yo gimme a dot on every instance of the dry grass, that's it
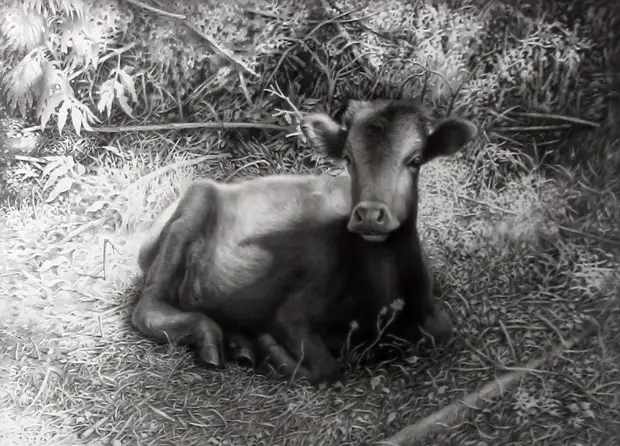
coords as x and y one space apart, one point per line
74 371
522 257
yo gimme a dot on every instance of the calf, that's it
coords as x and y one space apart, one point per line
292 259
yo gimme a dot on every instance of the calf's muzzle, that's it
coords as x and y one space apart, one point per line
372 220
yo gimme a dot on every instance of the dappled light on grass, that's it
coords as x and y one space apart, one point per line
512 285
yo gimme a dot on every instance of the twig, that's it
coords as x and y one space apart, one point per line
101 335
555 329
214 45
48 372
609 240
245 166
558 118
264 14
189 125
31 159
88 432
532 128
159 412
222 51
489 205
36 349
143 5
509 340
416 433
84 227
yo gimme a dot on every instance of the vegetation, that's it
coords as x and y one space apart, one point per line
522 229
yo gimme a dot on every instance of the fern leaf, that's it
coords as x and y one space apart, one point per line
24 80
62 114
53 7
128 83
62 186
21 32
55 89
76 119
48 107
83 38
89 117
119 89
106 97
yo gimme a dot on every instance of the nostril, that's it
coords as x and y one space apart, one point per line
381 216
357 215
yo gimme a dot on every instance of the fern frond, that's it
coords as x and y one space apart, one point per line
23 82
21 31
72 8
55 89
84 39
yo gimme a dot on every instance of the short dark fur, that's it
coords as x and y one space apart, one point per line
290 260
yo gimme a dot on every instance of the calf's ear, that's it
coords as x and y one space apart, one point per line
324 134
449 137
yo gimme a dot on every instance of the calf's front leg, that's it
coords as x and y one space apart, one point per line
154 315
421 317
163 322
293 327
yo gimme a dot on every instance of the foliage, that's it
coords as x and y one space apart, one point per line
51 45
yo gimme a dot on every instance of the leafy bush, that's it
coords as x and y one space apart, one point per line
49 44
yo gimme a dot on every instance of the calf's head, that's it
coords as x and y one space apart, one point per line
384 143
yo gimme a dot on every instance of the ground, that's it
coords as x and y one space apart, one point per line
524 258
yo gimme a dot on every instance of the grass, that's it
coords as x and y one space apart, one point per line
74 370
523 252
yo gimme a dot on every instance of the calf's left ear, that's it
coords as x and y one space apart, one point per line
449 137
324 134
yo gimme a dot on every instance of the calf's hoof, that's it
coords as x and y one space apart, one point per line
210 355
242 351
438 327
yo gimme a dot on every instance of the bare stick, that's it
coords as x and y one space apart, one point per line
532 128
190 125
31 159
414 434
161 12
222 51
558 118
214 45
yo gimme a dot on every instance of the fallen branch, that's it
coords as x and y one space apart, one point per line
190 125
532 128
557 117
31 159
414 434
161 12
212 43
221 51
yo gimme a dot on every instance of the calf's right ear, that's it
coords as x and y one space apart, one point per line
324 134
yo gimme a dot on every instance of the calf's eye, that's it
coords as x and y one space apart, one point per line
346 158
415 161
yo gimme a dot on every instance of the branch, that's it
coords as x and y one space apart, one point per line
415 433
557 117
214 45
161 12
190 125
221 51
